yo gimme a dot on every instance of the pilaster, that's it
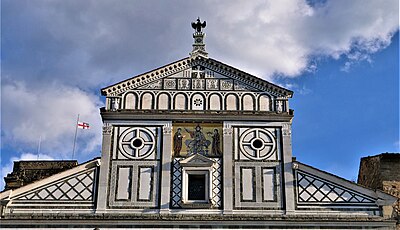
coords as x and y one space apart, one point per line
166 167
104 168
287 168
227 169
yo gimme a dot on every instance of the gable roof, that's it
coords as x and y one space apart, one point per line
174 67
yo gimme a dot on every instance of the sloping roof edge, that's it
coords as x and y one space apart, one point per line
187 62
381 197
81 167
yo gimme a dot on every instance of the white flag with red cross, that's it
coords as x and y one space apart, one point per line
83 125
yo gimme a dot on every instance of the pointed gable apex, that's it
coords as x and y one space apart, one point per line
243 78
197 160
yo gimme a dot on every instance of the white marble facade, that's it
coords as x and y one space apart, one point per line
194 143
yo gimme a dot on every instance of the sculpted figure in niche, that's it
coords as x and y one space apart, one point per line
198 144
178 142
215 149
279 106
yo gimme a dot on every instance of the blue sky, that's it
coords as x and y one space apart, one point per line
342 66
341 116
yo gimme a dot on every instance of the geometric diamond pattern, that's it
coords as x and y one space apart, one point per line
314 189
78 188
176 189
216 198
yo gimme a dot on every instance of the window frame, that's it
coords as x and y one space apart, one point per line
206 171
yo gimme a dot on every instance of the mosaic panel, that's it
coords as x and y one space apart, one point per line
204 139
226 84
198 84
153 85
169 84
212 84
184 84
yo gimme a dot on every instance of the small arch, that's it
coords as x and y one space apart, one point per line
231 102
215 102
264 102
198 102
180 101
163 101
248 102
147 101
130 101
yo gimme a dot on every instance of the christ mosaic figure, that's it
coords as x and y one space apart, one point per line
198 144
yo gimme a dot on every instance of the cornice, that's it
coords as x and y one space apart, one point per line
176 115
175 67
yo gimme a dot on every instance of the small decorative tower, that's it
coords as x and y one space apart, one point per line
199 48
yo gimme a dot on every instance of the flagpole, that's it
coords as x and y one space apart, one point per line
76 132
38 149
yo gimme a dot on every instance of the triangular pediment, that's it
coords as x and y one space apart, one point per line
197 74
197 160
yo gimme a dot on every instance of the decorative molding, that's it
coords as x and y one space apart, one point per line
257 143
227 130
137 143
167 129
286 129
258 200
134 201
107 129
187 63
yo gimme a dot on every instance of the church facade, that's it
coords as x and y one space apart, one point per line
196 143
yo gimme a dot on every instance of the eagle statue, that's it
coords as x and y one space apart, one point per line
198 25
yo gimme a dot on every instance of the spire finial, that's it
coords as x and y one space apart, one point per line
198 25
198 35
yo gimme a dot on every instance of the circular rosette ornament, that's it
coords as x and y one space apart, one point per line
257 144
137 143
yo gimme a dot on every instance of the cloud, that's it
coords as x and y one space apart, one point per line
49 113
56 55
101 42
282 37
8 167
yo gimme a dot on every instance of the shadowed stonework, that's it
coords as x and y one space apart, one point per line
26 172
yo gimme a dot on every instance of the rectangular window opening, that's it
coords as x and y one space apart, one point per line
197 187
